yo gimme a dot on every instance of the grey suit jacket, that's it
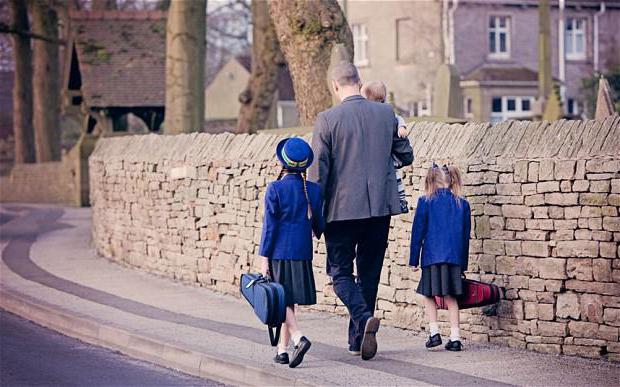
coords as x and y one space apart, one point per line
353 145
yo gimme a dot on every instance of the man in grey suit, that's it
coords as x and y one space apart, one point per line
353 145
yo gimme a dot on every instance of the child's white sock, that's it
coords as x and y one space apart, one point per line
281 349
434 328
455 334
296 337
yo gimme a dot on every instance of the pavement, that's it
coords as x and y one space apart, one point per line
50 274
31 355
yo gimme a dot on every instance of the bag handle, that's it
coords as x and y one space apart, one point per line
274 337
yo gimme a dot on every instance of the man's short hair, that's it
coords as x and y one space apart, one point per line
374 91
345 74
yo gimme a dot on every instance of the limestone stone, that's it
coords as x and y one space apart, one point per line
532 171
521 171
611 223
515 224
579 268
545 312
548 186
545 170
567 306
552 268
611 316
600 186
615 185
608 249
535 249
516 211
614 200
581 185
592 199
576 249
565 169
561 199
601 269
535 200
554 329
591 307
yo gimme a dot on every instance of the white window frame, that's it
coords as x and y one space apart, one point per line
360 44
571 49
518 113
497 31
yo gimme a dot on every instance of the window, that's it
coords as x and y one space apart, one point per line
572 107
499 36
360 44
404 40
468 108
575 38
508 107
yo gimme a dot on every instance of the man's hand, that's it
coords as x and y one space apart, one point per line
416 268
403 132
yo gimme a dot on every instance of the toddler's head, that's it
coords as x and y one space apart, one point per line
374 91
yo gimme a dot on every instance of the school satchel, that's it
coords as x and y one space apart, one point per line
475 294
267 299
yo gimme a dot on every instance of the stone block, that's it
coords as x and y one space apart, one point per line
508 189
552 268
535 200
532 172
565 186
496 222
561 199
516 211
582 329
528 189
540 212
583 351
567 306
565 169
545 170
555 212
548 186
591 307
530 310
579 268
611 223
592 199
515 224
505 265
615 185
582 234
545 312
532 235
591 212
576 249
611 316
521 171
493 247
600 186
603 166
614 200
601 269
513 248
554 329
608 249
552 349
539 224
607 333
535 249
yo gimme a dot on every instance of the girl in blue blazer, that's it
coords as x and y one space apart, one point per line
440 234
293 211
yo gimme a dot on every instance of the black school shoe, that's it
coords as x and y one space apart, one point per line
281 358
433 341
300 351
454 345
369 341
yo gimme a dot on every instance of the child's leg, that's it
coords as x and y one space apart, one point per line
285 337
292 326
453 309
431 312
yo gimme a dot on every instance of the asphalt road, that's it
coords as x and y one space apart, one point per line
33 355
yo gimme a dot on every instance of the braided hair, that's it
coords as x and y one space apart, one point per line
285 171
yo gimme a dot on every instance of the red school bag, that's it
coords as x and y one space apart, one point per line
475 294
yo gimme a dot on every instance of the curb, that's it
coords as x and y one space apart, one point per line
138 346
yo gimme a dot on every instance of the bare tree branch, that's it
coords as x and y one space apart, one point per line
6 29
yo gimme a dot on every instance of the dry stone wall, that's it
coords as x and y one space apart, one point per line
545 200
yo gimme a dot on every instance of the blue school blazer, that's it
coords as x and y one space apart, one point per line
441 230
287 231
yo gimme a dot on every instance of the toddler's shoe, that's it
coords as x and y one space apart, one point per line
281 358
404 207
454 346
434 341
354 351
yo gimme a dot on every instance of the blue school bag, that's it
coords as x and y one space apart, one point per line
267 299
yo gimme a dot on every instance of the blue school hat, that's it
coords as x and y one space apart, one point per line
294 154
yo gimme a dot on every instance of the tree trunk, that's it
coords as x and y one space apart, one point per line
22 89
45 83
307 30
258 97
104 5
185 66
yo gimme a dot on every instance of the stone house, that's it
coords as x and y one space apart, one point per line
115 69
493 44
222 97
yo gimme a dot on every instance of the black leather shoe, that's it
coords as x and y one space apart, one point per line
369 341
300 351
433 340
281 358
454 345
